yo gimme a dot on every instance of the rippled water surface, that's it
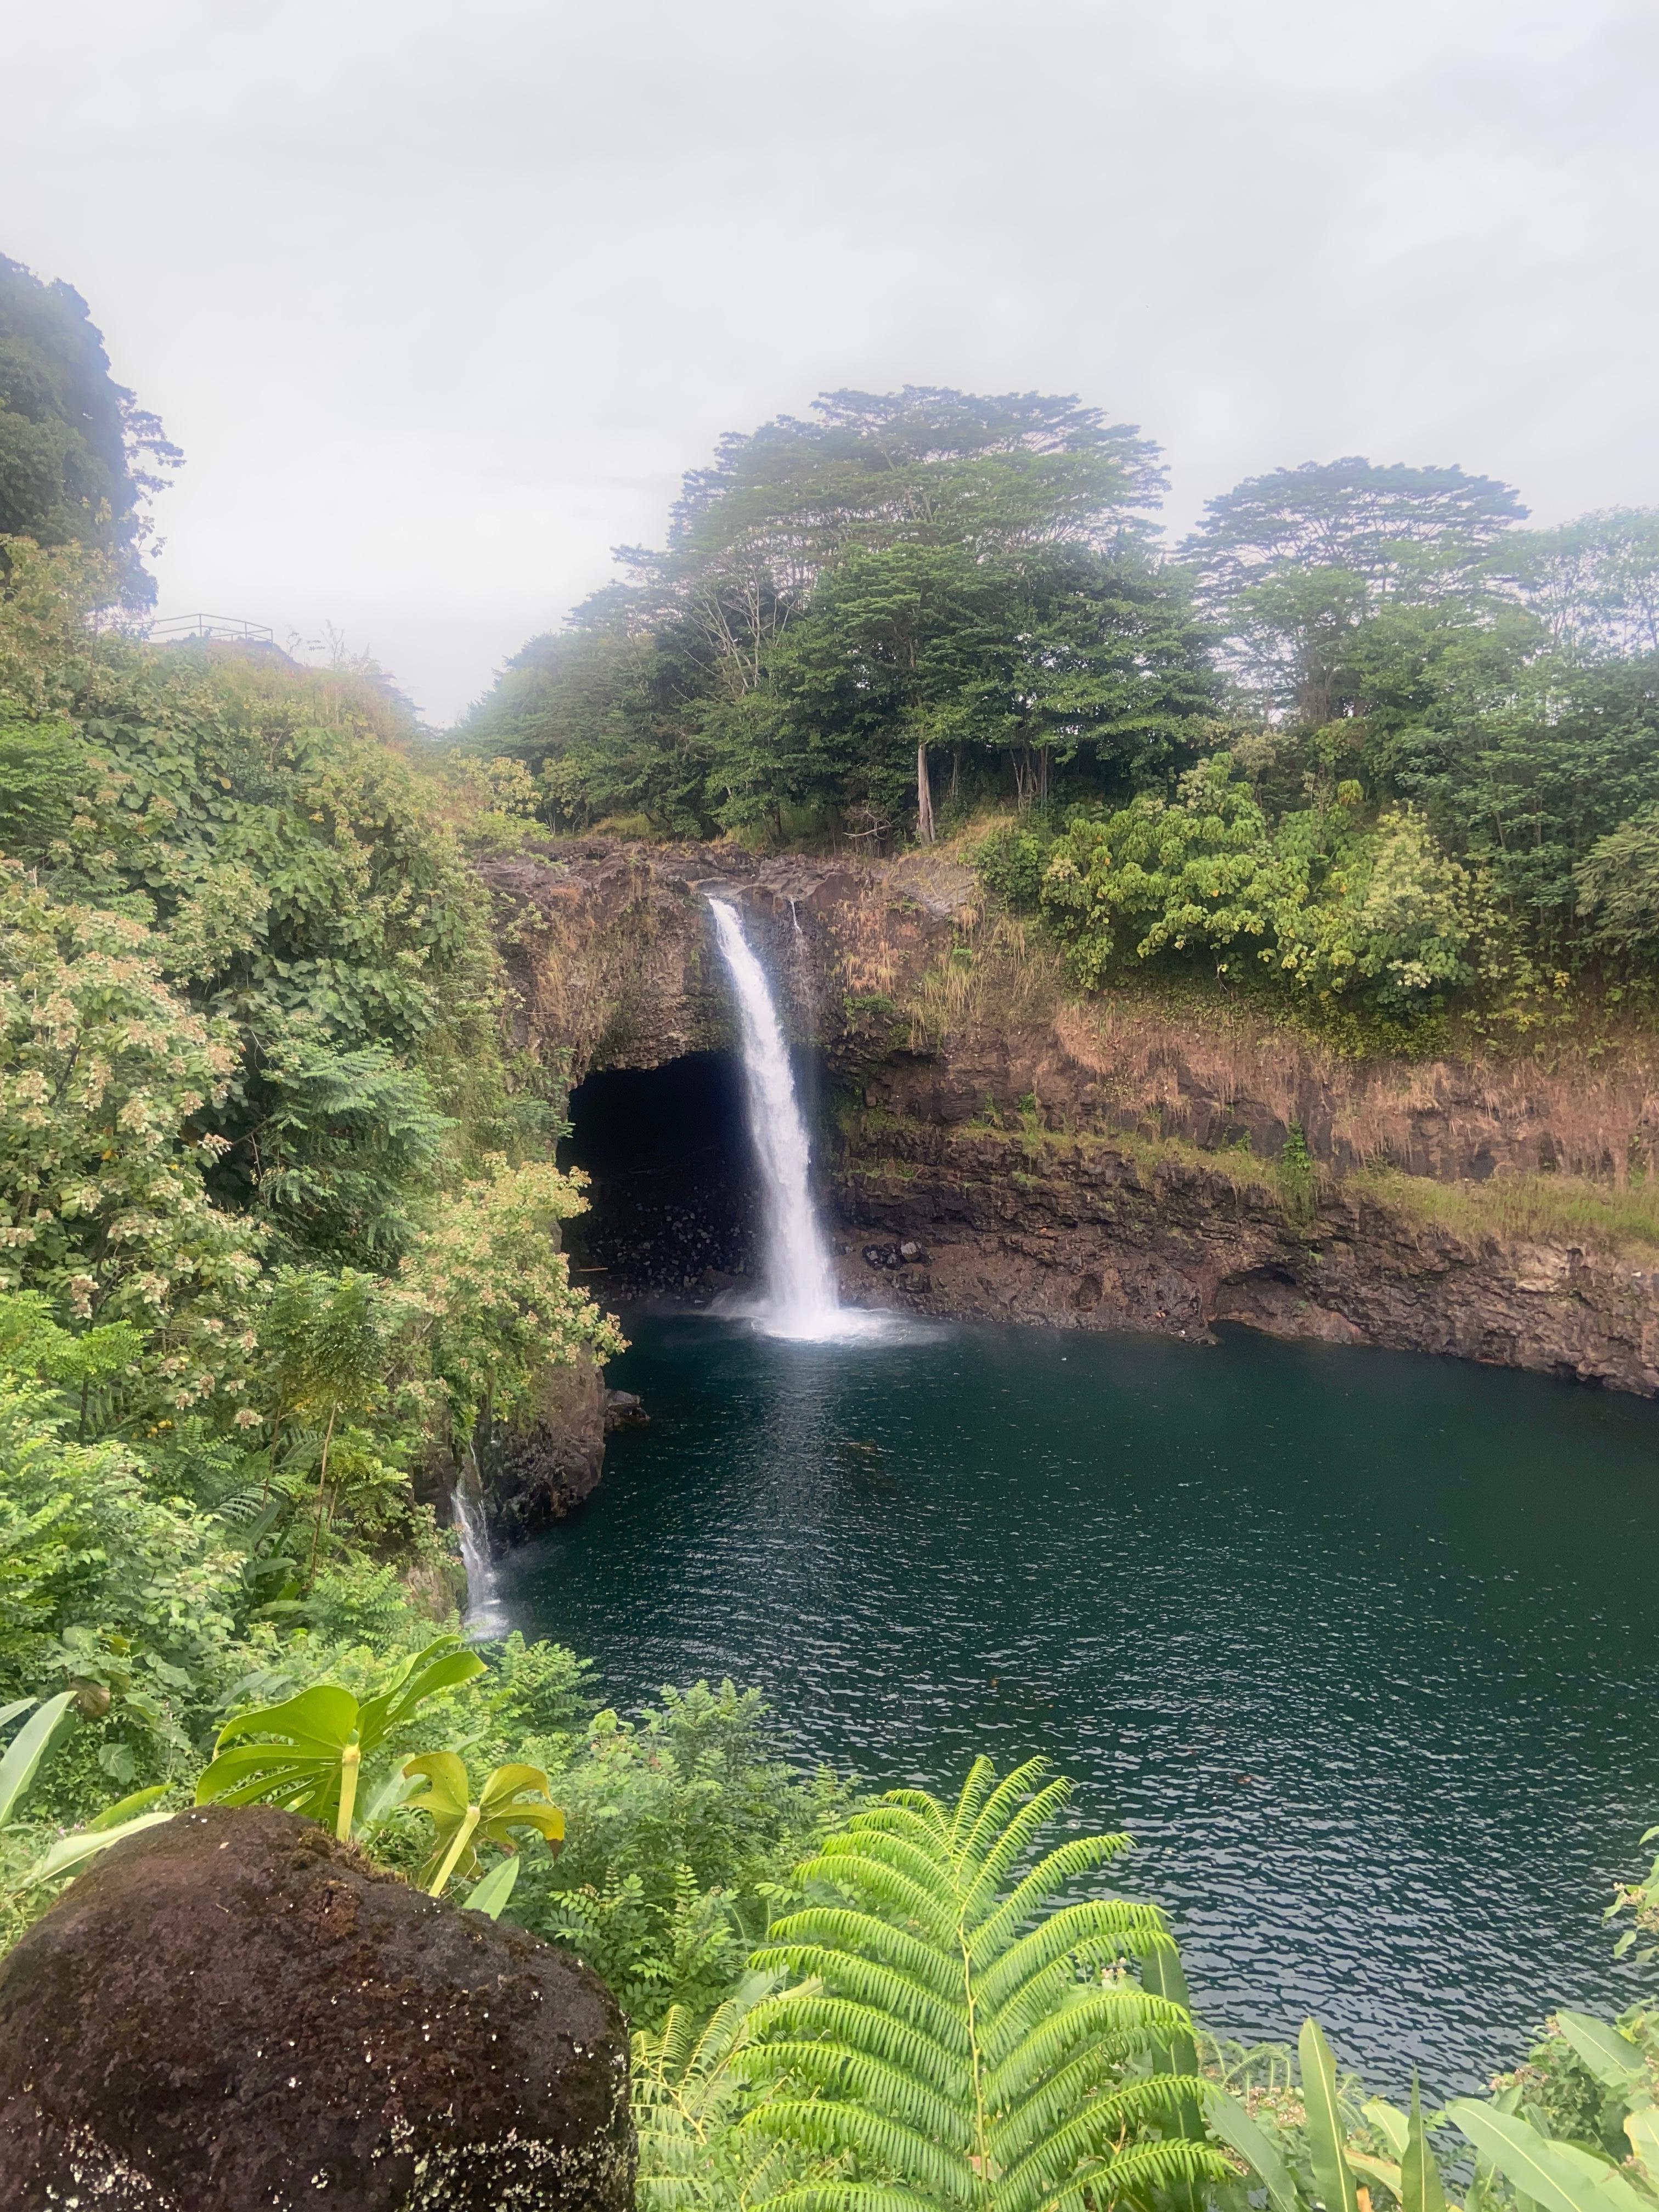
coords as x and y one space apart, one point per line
1362 1648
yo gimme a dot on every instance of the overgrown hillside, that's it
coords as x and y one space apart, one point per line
279 1224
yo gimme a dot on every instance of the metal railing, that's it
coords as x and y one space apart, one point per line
229 628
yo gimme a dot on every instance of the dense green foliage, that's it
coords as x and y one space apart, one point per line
278 1224
921 578
1439 784
1366 745
77 455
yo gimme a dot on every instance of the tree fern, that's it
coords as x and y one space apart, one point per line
961 2035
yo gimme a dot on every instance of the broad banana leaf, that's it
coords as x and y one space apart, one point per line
128 1809
1611 2057
74 1850
28 1749
1333 2175
493 1892
1421 2188
1374 2169
1642 2129
1228 2119
1555 2175
1389 2121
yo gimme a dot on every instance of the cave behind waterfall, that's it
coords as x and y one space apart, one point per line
671 1196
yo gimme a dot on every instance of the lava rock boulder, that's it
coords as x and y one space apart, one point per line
232 2010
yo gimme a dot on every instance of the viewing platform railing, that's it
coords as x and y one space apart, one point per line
229 628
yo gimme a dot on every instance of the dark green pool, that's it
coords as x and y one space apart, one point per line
1363 1648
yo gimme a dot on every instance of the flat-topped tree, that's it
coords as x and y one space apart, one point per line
1289 564
929 493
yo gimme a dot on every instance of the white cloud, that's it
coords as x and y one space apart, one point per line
440 302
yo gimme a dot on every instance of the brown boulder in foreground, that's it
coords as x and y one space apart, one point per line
233 2011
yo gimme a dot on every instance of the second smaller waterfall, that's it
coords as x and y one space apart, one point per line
801 1299
484 1619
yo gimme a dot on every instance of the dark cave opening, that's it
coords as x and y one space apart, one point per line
672 1198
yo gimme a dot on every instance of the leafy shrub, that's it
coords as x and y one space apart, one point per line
1012 859
1618 886
679 1831
105 1586
1332 912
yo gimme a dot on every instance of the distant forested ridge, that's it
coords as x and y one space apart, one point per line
1365 734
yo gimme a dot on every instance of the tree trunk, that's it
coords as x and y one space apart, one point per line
924 797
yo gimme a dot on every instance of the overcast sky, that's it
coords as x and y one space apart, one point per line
440 299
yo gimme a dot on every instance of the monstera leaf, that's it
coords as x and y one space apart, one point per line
514 1796
307 1752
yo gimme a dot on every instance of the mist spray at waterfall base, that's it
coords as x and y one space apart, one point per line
800 1299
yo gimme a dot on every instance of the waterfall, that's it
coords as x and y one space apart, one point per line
801 1299
484 1619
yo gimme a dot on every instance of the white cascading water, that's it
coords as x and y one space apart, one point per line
485 1620
801 1299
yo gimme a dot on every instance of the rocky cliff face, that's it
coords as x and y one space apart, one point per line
1121 1162
1081 1232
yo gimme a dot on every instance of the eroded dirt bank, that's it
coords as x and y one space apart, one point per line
1119 1161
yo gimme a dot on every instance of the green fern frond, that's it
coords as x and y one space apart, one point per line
1091 2137
1020 1783
1101 1926
1070 2106
844 2073
825 2125
969 1805
911 1856
1117 2021
1081 1855
991 1868
841 1929
910 1812
900 1892
1133 2175
871 1983
845 2196
880 2033
949 2050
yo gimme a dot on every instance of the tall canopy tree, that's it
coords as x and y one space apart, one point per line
78 456
1594 583
840 596
1290 564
